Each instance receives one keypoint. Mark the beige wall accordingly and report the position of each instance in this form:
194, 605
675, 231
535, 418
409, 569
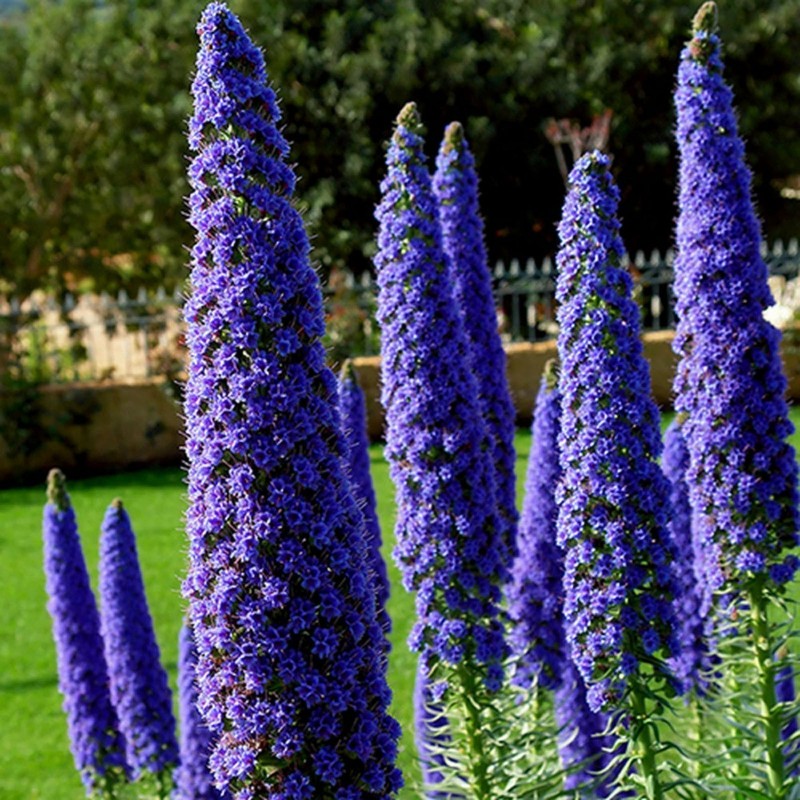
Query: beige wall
101, 427
136, 423
525, 365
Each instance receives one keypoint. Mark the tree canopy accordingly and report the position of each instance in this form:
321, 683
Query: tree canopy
94, 100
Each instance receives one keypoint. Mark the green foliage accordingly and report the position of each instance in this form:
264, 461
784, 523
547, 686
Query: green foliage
730, 742
91, 140
26, 366
512, 733
350, 326
95, 97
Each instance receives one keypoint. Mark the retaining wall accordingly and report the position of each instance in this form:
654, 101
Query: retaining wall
107, 427
94, 428
525, 363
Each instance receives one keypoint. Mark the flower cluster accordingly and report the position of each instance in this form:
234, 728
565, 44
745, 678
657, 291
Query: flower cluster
613, 498
97, 745
354, 421
291, 659
695, 658
448, 544
139, 686
535, 594
192, 777
729, 385
455, 185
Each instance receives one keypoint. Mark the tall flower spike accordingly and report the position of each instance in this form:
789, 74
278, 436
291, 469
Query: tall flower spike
139, 687
613, 498
97, 745
535, 593
729, 384
456, 187
785, 693
447, 528
291, 659
695, 659
192, 777
536, 601
354, 420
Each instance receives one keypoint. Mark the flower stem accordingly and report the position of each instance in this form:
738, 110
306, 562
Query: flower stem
762, 650
477, 757
644, 744
698, 723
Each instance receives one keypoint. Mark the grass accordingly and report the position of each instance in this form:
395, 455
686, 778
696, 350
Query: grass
35, 762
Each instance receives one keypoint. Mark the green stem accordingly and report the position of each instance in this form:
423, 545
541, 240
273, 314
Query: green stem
644, 745
698, 718
762, 650
536, 710
477, 758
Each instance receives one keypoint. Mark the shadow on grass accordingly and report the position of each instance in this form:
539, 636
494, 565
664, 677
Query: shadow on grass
29, 684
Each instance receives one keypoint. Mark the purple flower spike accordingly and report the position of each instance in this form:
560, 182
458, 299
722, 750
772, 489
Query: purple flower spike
613, 498
785, 693
729, 385
695, 658
354, 420
448, 531
139, 687
536, 594
291, 657
97, 745
536, 601
455, 185
192, 777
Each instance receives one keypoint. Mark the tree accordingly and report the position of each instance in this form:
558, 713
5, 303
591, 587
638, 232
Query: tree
91, 140
96, 98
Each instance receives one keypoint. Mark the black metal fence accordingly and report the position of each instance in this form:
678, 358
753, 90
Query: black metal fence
102, 337
525, 294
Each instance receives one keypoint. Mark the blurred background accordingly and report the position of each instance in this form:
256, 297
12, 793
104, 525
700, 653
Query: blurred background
94, 99
94, 102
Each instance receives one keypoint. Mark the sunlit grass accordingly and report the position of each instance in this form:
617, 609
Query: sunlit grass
35, 762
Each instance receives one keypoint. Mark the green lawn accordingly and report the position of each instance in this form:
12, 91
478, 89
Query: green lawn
35, 762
